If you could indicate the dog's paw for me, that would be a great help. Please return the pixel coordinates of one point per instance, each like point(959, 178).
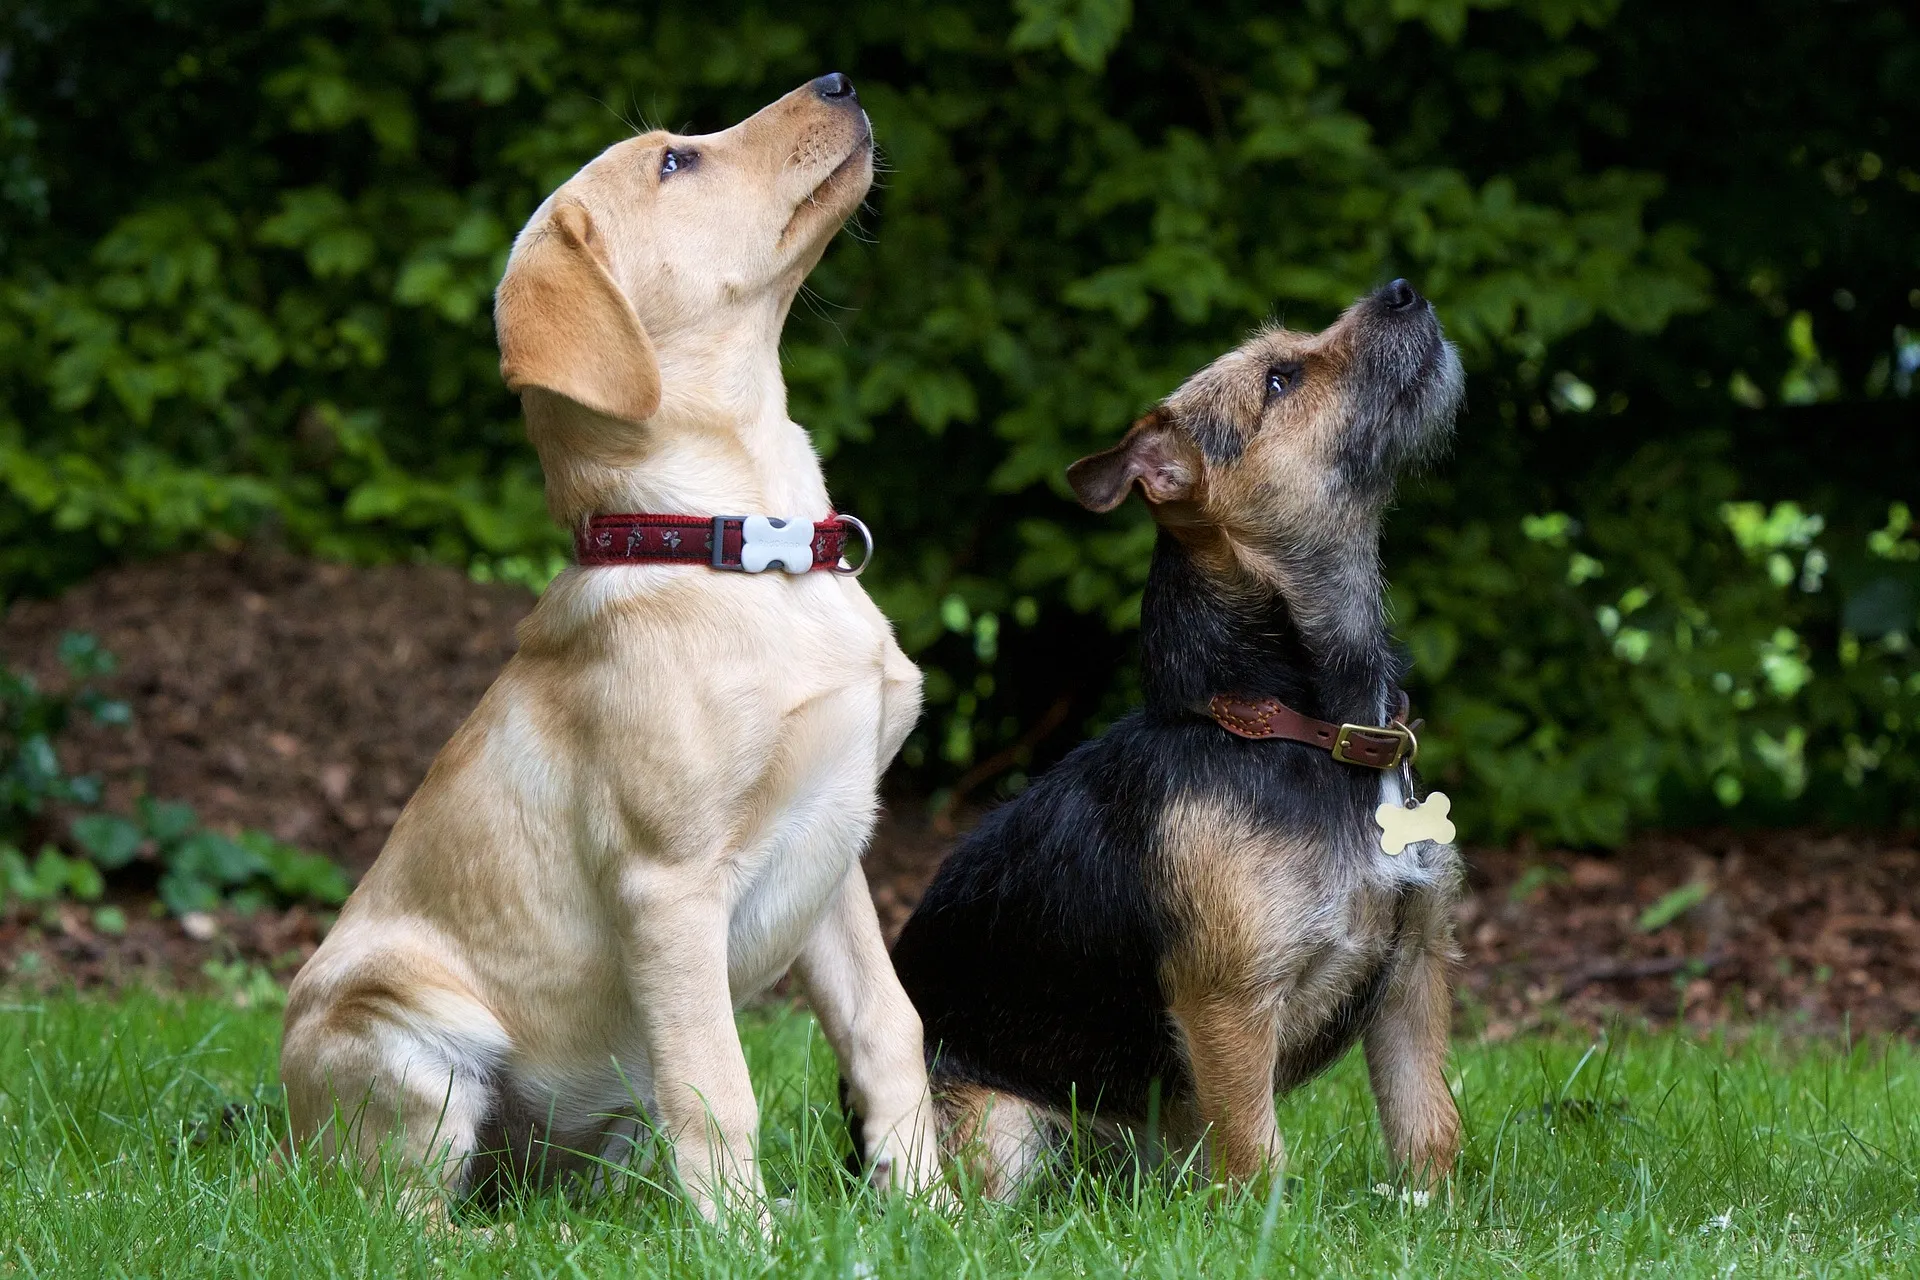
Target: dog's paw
point(430, 1208)
point(1411, 1196)
point(502, 1233)
point(919, 1175)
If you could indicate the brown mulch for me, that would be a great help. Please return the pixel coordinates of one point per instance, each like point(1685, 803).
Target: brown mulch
point(62, 947)
point(299, 698)
point(307, 700)
point(1801, 928)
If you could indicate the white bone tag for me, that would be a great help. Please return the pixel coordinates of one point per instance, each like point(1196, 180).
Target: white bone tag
point(1401, 826)
point(768, 540)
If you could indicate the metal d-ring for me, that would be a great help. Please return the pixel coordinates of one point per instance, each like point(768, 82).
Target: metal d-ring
point(866, 541)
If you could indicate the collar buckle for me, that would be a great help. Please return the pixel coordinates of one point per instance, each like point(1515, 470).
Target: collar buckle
point(1366, 738)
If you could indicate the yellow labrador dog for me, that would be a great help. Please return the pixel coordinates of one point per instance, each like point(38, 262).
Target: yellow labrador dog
point(660, 806)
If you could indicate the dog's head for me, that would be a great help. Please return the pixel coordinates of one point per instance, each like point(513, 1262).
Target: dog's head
point(1292, 436)
point(669, 250)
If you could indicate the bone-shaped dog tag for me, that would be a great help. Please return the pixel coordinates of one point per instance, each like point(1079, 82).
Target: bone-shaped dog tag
point(1401, 825)
point(767, 541)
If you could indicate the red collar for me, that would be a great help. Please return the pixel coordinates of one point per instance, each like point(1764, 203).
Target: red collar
point(744, 544)
point(1370, 746)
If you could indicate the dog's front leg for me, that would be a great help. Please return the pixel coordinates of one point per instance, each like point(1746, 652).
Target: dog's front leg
point(876, 1035)
point(1407, 1059)
point(1232, 1046)
point(702, 1093)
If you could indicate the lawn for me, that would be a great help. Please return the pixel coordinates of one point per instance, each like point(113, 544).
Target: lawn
point(1642, 1154)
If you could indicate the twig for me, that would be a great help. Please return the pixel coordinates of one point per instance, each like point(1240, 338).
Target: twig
point(1630, 970)
point(1003, 759)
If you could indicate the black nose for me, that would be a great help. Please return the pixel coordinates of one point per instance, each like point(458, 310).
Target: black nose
point(1398, 296)
point(834, 87)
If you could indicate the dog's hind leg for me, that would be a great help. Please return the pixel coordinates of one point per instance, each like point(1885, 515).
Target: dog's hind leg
point(997, 1138)
point(626, 1154)
point(375, 1076)
point(1407, 1060)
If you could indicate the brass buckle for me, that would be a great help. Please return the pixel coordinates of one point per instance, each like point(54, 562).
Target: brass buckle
point(1407, 747)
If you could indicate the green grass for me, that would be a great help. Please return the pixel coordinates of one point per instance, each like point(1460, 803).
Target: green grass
point(1651, 1154)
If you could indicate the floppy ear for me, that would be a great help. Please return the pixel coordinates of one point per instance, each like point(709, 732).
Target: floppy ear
point(1153, 453)
point(565, 327)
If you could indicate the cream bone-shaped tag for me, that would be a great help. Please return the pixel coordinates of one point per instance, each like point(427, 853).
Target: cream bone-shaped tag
point(768, 540)
point(1402, 825)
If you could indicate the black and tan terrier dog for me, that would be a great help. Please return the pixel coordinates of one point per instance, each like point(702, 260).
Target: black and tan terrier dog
point(1198, 909)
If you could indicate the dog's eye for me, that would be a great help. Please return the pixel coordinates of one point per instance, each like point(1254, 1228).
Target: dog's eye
point(673, 161)
point(1282, 378)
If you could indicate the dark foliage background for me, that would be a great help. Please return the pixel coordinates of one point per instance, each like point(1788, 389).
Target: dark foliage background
point(248, 251)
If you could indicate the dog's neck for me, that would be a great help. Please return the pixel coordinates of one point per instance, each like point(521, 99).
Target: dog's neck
point(1306, 626)
point(721, 442)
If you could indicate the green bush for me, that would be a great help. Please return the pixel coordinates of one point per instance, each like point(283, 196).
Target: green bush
point(1664, 660)
point(198, 869)
point(249, 251)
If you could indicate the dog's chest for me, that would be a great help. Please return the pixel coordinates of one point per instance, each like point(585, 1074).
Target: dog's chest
point(1360, 900)
point(1339, 952)
point(1347, 936)
point(784, 881)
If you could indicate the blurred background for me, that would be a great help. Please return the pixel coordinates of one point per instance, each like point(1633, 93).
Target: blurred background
point(254, 445)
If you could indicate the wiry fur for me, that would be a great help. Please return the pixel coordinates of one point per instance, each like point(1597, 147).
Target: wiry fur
point(1178, 920)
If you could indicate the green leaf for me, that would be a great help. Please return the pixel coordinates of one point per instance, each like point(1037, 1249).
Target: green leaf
point(166, 822)
point(213, 858)
point(345, 251)
point(106, 710)
point(295, 874)
point(83, 880)
point(110, 841)
point(1671, 906)
point(1085, 30)
point(184, 892)
point(1434, 644)
point(82, 655)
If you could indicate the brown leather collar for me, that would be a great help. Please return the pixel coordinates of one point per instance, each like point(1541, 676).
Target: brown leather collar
point(1370, 746)
point(722, 542)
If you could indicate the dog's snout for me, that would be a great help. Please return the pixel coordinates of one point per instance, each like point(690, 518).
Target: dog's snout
point(836, 89)
point(1399, 296)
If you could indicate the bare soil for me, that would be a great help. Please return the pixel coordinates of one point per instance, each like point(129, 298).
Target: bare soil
point(300, 698)
point(308, 699)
